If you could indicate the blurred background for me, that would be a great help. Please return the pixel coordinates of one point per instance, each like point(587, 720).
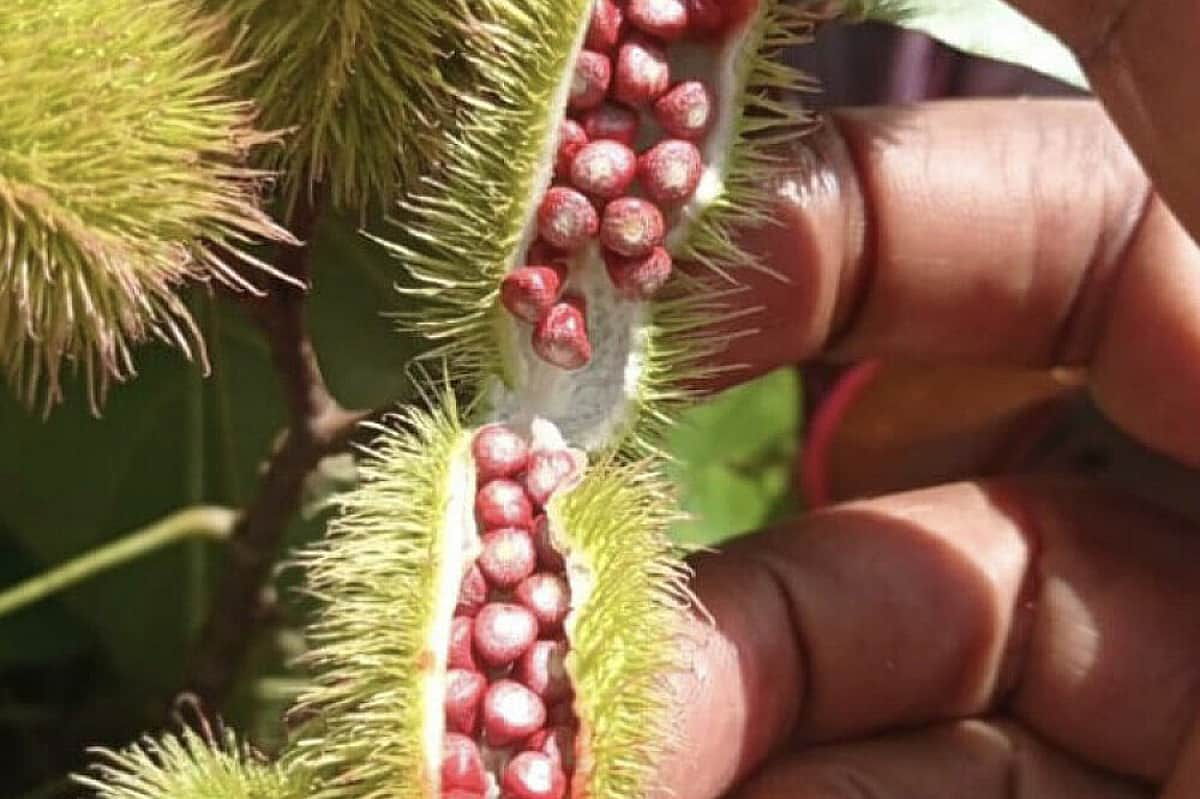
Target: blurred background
point(99, 663)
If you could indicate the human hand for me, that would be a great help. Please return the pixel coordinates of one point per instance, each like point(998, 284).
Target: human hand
point(1029, 638)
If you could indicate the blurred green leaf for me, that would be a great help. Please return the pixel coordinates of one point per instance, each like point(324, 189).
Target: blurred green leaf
point(734, 456)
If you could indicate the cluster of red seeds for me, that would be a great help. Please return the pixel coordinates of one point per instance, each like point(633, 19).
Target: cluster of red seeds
point(621, 93)
point(508, 696)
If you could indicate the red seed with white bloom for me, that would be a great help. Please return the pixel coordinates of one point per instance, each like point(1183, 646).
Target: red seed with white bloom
point(460, 793)
point(508, 556)
point(631, 226)
point(561, 338)
point(462, 764)
point(533, 775)
point(705, 17)
point(571, 139)
point(670, 171)
point(541, 669)
point(499, 451)
point(503, 632)
point(547, 471)
point(605, 29)
point(502, 503)
point(567, 219)
point(639, 278)
point(511, 712)
point(642, 72)
point(549, 598)
point(462, 653)
point(548, 557)
point(665, 19)
point(685, 111)
point(528, 292)
point(557, 743)
point(611, 121)
point(590, 82)
point(464, 694)
point(472, 594)
point(604, 169)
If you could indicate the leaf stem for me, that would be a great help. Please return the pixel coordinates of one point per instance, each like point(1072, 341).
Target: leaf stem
point(201, 521)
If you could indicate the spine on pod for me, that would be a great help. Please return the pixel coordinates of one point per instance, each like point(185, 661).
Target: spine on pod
point(608, 144)
point(500, 616)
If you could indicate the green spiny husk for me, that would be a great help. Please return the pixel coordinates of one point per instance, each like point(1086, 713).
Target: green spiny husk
point(119, 180)
point(465, 231)
point(360, 84)
point(376, 574)
point(623, 646)
point(187, 766)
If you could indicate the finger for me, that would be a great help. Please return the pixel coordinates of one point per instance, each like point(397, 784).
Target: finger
point(933, 605)
point(1006, 232)
point(1141, 59)
point(977, 759)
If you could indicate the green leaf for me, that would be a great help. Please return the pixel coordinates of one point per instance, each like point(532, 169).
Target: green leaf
point(733, 458)
point(984, 27)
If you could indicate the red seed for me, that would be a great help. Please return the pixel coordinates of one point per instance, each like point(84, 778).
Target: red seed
point(473, 593)
point(611, 121)
point(548, 597)
point(533, 775)
point(462, 764)
point(639, 278)
point(631, 226)
point(605, 29)
point(557, 743)
point(566, 218)
point(541, 670)
point(502, 503)
point(528, 292)
point(670, 171)
point(499, 451)
point(686, 110)
point(571, 138)
point(503, 631)
point(589, 84)
point(547, 470)
point(604, 169)
point(548, 557)
point(561, 338)
point(705, 17)
point(511, 712)
point(508, 557)
point(464, 692)
point(642, 73)
point(666, 19)
point(462, 656)
point(458, 793)
point(542, 254)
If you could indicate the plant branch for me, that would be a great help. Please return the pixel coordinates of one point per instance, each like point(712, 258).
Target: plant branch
point(195, 522)
point(317, 426)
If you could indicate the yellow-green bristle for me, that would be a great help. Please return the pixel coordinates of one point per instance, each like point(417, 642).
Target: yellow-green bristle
point(632, 586)
point(119, 180)
point(188, 766)
point(388, 574)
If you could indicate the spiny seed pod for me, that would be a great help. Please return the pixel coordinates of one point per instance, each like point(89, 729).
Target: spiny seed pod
point(490, 210)
point(121, 179)
point(189, 766)
point(604, 169)
point(611, 121)
point(582, 712)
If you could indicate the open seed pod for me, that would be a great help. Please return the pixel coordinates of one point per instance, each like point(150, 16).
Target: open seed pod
point(121, 178)
point(498, 618)
point(608, 143)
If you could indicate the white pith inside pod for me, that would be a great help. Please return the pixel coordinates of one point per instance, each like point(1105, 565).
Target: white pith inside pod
point(469, 229)
point(394, 562)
